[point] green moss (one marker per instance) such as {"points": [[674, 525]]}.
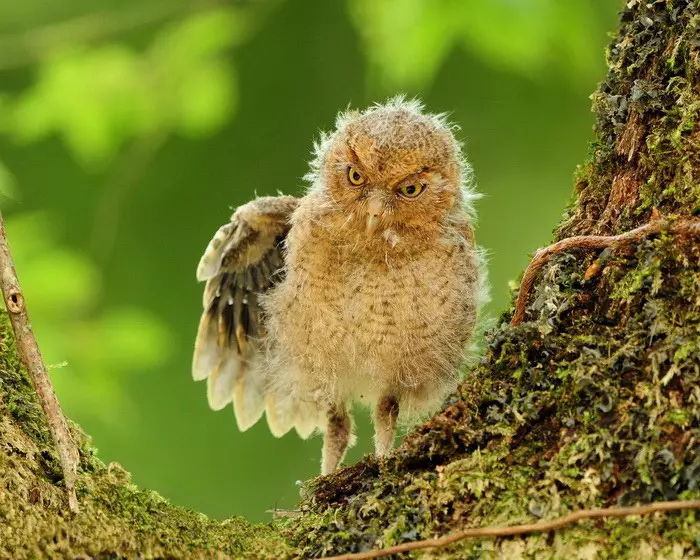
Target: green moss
{"points": [[601, 409], [116, 518], [646, 151]]}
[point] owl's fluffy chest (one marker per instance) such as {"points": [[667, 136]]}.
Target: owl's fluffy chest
{"points": [[355, 321]]}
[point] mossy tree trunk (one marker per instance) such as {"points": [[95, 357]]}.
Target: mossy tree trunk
{"points": [[593, 401]]}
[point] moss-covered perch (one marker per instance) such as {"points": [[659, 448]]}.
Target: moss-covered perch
{"points": [[593, 401], [116, 519]]}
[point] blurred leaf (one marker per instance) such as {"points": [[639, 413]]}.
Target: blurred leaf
{"points": [[97, 398], [8, 184], [17, 17], [206, 99], [101, 346], [508, 33], [32, 117], [102, 354], [407, 41], [132, 339], [61, 282], [4, 112], [201, 36], [99, 98], [29, 235], [58, 282], [199, 87], [577, 31], [94, 99]]}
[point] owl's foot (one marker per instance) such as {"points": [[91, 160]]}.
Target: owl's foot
{"points": [[336, 439], [385, 416]]}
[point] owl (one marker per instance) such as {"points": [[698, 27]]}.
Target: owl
{"points": [[364, 290]]}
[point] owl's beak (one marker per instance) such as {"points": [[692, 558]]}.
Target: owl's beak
{"points": [[375, 210]]}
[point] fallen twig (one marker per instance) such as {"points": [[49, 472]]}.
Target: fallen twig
{"points": [[513, 530], [284, 513], [30, 355], [688, 226]]}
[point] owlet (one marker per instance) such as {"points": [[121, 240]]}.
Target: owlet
{"points": [[363, 290]]}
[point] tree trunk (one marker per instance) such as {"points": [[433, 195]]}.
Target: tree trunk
{"points": [[593, 401]]}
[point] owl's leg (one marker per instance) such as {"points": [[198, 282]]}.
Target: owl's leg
{"points": [[385, 416], [336, 439]]}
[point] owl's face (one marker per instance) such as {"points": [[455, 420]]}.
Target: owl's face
{"points": [[393, 169]]}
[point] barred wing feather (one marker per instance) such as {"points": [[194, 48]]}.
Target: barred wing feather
{"points": [[243, 260]]}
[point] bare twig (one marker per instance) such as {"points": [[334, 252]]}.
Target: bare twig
{"points": [[513, 530], [686, 226], [284, 513], [30, 355]]}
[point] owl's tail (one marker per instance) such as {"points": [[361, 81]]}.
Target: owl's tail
{"points": [[285, 411]]}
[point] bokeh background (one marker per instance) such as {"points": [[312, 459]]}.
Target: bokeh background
{"points": [[130, 128]]}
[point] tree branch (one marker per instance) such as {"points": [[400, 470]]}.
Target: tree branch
{"points": [[513, 530], [30, 355], [542, 256]]}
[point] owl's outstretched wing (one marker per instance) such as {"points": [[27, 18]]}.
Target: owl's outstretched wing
{"points": [[242, 261]]}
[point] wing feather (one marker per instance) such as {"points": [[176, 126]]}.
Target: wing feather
{"points": [[221, 382], [243, 260], [206, 353]]}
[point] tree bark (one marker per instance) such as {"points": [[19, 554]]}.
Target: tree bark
{"points": [[592, 401]]}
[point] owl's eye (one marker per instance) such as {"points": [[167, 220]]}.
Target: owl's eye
{"points": [[354, 176], [411, 191]]}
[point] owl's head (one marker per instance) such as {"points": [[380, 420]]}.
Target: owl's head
{"points": [[393, 168]]}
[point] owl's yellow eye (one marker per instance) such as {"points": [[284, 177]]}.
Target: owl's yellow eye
{"points": [[354, 176], [411, 191]]}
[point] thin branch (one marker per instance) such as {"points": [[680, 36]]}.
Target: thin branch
{"points": [[514, 530], [542, 256], [30, 355]]}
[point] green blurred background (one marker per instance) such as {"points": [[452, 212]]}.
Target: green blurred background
{"points": [[130, 128]]}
